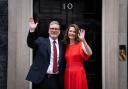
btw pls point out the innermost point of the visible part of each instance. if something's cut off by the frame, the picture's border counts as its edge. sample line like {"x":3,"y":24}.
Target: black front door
{"x":85,"y":13}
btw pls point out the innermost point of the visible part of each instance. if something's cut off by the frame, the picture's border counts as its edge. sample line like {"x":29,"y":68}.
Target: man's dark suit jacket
{"x":41,"y":60}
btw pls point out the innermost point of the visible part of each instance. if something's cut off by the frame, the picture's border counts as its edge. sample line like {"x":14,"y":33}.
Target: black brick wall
{"x":3,"y":43}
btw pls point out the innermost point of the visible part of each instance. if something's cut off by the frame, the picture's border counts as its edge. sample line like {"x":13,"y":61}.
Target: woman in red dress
{"x":77,"y":51}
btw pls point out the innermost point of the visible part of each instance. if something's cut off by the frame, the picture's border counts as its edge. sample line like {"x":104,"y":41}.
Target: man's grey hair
{"x":54,"y":22}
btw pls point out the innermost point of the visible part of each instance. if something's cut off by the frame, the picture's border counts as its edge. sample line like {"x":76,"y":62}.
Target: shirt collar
{"x":51,"y":40}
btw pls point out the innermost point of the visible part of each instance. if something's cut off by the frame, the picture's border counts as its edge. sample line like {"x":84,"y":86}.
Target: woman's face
{"x":72,"y":33}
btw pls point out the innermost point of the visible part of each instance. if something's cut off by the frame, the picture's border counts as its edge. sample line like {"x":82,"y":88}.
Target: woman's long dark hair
{"x":66,"y":38}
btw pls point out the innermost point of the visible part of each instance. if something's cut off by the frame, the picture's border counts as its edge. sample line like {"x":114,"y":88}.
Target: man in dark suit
{"x":46,"y":69}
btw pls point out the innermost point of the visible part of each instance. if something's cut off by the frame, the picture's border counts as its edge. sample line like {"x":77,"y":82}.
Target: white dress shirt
{"x":50,"y":68}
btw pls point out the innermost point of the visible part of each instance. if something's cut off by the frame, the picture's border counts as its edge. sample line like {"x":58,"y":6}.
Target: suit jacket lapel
{"x":60,"y":52}
{"x":49,"y":48}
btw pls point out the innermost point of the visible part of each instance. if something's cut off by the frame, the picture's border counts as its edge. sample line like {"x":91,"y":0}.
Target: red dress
{"x":75,"y":75}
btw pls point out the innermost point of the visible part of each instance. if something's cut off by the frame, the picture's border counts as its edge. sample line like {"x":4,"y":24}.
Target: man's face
{"x":54,"y":31}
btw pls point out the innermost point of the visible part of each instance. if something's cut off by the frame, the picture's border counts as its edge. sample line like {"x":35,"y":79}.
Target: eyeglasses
{"x":54,"y":28}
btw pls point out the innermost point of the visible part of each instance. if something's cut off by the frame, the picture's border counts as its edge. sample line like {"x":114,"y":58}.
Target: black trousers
{"x":49,"y":82}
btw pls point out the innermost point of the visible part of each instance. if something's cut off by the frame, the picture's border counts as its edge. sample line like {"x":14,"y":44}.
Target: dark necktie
{"x":55,"y":68}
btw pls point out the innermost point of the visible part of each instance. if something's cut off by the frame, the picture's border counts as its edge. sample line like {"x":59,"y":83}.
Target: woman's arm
{"x":85,"y":47}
